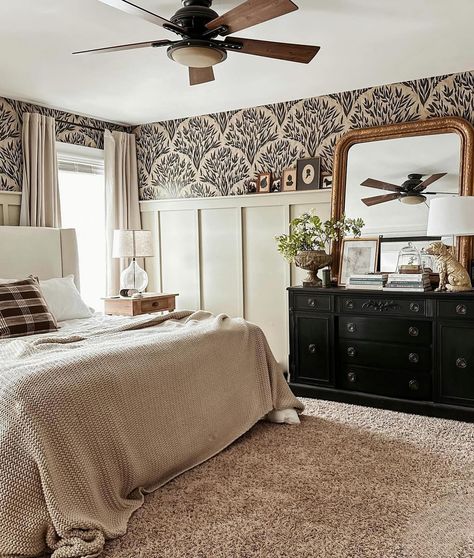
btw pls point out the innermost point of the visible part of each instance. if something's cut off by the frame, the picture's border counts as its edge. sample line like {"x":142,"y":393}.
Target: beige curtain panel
{"x":40,"y":192}
{"x":121,"y":183}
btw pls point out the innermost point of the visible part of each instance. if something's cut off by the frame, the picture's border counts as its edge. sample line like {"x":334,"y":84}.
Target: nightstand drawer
{"x":400,"y":384}
{"x":309,"y":301}
{"x":384,"y":356}
{"x":152,"y":305}
{"x":383,"y":305}
{"x":456,"y":309}
{"x":391,"y":330}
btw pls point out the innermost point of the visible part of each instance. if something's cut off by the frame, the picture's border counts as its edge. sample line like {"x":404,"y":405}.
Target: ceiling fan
{"x":411,"y":192}
{"x":199,"y":27}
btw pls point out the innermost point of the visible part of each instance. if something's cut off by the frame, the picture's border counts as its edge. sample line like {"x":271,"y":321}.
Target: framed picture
{"x":390,"y":248}
{"x":308,"y":174}
{"x":288,"y":180}
{"x":358,"y":255}
{"x":264,"y":182}
{"x":326,"y":180}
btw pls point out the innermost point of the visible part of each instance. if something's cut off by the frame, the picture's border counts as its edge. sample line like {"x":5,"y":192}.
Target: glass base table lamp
{"x":133,"y":244}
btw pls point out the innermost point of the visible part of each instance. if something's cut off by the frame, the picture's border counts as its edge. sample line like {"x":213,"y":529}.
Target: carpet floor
{"x":349,"y":482}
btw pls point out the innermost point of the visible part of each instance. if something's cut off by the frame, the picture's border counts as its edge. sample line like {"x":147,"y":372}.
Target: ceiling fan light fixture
{"x":196,"y":54}
{"x":413,"y":199}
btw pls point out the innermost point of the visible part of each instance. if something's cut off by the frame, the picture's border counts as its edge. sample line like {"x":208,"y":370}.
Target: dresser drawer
{"x":400,"y":384}
{"x":382,"y":305}
{"x":456,"y":309}
{"x":396,"y":330}
{"x":309,"y":301}
{"x":384,"y":355}
{"x":311,"y":349}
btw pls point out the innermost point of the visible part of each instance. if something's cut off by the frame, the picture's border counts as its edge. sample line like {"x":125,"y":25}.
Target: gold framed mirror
{"x":385,"y":156}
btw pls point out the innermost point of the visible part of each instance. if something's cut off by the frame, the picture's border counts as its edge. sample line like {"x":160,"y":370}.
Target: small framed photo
{"x":264,"y":182}
{"x":288,"y":180}
{"x":308,"y":174}
{"x":326,"y":180}
{"x":358,"y":255}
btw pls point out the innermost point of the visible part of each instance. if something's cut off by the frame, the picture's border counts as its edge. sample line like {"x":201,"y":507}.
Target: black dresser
{"x":411,"y":352}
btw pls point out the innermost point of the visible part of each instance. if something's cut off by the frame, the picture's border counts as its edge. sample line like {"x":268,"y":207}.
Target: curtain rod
{"x":80,"y":125}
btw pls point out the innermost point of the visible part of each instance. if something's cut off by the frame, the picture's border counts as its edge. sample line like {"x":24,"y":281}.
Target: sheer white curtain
{"x":121,"y":194}
{"x":40,"y":190}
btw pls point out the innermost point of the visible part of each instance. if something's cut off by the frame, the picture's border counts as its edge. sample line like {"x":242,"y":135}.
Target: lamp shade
{"x":132,"y":244}
{"x":453,"y":216}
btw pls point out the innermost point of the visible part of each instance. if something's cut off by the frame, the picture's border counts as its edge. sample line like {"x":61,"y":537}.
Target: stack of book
{"x":415,"y":282}
{"x":369,"y":281}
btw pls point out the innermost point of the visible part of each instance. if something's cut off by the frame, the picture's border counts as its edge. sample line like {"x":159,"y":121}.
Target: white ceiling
{"x":363,"y":43}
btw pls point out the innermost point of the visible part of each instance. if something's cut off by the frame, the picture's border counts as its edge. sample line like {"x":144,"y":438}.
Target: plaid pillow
{"x":23,"y":310}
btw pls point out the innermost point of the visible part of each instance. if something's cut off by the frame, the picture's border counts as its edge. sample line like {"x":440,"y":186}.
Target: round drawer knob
{"x":414,"y":358}
{"x":312,"y":349}
{"x":351,"y":351}
{"x":352,"y":377}
{"x":351,"y":328}
{"x":461,"y":363}
{"x":413,"y":385}
{"x":349,"y":304}
{"x":414,"y":307}
{"x":461,"y":309}
{"x":413,"y":331}
{"x":312,"y":302}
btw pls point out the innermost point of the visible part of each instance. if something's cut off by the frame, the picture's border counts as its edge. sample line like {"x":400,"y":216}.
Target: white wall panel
{"x":221,"y":261}
{"x":266,"y":275}
{"x":10,"y":208}
{"x":180,"y":257}
{"x":151,"y":222}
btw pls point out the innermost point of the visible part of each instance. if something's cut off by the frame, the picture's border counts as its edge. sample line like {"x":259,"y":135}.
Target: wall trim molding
{"x":10,"y":203}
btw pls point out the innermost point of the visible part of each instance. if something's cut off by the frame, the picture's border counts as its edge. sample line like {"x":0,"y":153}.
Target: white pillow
{"x":63,"y":299}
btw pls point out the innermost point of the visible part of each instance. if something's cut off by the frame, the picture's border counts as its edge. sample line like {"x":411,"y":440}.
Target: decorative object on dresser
{"x":288,"y":180}
{"x":133,"y":244}
{"x":389,"y":151}
{"x":264,"y":182}
{"x":358,"y":256}
{"x":411,"y":352}
{"x":451,"y":217}
{"x":147,"y":304}
{"x":308,"y":174}
{"x":309,"y":239}
{"x":369,"y":281}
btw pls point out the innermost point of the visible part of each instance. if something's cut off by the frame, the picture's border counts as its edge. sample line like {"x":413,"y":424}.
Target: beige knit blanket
{"x":91,"y":422}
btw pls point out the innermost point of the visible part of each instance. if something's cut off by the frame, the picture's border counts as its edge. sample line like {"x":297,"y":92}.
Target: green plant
{"x":309,"y":232}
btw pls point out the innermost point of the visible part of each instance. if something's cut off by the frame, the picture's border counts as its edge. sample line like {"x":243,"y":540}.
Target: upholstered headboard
{"x":43,"y":252}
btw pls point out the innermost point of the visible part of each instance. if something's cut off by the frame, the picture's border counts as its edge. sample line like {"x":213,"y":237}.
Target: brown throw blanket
{"x":91,"y":422}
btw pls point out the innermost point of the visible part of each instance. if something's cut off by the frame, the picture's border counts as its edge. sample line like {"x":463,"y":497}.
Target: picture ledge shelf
{"x":249,"y":200}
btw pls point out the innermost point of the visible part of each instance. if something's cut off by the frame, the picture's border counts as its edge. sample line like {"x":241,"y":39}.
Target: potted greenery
{"x":309,"y":239}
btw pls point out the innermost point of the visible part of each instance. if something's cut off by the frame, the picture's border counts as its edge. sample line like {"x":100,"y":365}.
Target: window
{"x":82,"y":195}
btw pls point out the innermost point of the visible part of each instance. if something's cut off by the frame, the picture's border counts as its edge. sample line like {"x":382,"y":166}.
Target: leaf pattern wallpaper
{"x":218,"y":154}
{"x":11,"y":117}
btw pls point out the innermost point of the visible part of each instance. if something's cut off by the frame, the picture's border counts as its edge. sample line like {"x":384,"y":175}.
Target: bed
{"x":104,"y":410}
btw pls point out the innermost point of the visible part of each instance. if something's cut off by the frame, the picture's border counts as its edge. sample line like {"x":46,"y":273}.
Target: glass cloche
{"x":409,"y":260}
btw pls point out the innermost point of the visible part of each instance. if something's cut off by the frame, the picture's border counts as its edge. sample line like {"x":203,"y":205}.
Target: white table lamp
{"x":453,"y":216}
{"x":133,"y":244}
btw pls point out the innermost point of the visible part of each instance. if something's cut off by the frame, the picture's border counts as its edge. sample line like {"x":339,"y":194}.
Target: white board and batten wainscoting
{"x":220,"y":255}
{"x":10,"y":203}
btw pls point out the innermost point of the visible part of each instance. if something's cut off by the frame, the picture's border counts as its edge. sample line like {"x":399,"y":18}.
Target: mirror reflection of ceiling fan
{"x":199,"y":27}
{"x":411,"y":192}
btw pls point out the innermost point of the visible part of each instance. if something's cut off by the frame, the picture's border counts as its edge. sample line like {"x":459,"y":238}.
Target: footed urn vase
{"x":312,"y":261}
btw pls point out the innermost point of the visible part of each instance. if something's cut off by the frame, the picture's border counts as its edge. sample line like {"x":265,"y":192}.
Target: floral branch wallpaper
{"x":11,"y":116}
{"x":218,"y":154}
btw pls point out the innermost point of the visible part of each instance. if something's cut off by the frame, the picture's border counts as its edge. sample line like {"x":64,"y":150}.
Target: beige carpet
{"x":350,"y":482}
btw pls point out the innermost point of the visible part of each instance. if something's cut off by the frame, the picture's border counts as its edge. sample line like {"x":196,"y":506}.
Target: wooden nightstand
{"x":149,"y":303}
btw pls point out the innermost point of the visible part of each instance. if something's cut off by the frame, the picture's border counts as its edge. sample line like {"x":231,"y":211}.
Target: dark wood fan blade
{"x":201,"y":75}
{"x":130,"y":8}
{"x":130,"y":46}
{"x":269,"y":49}
{"x":372,"y":183}
{"x":429,"y":181}
{"x":381,"y":199}
{"x":250,"y":13}
{"x":438,"y":193}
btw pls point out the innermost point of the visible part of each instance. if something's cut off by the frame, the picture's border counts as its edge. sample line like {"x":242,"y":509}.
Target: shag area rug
{"x":349,"y":482}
